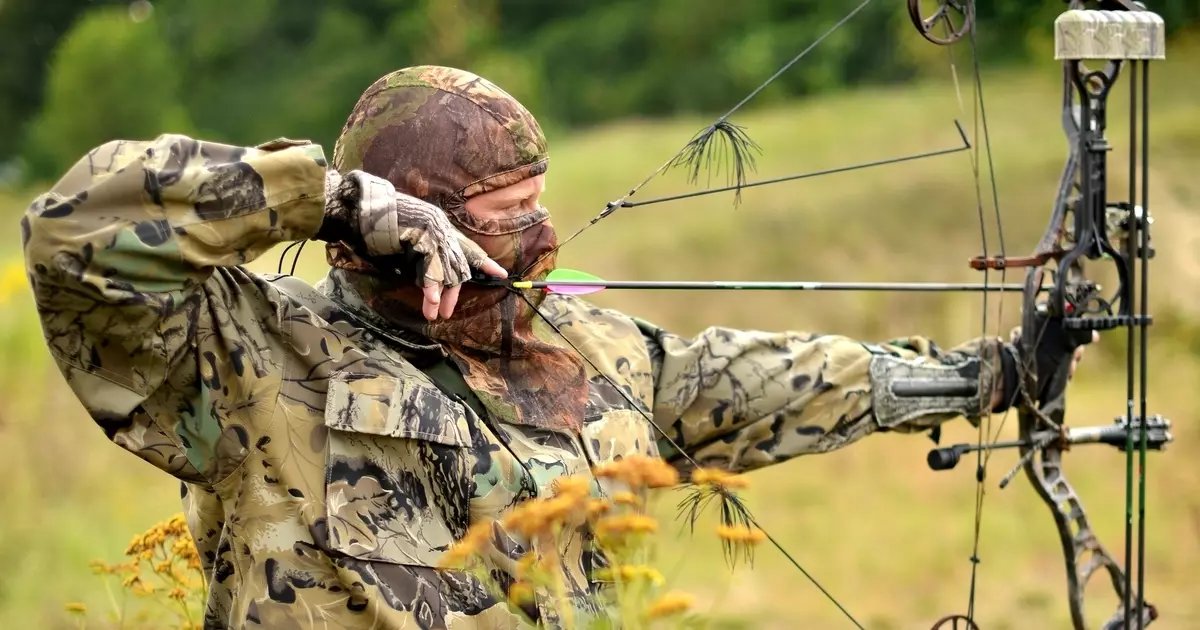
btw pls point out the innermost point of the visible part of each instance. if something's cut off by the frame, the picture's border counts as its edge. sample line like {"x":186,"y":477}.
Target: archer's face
{"x":515,"y":200}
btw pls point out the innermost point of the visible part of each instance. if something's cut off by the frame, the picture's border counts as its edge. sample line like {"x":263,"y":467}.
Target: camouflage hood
{"x":444,"y":135}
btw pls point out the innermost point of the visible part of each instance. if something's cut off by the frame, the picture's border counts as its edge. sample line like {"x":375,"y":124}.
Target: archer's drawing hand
{"x":368,"y":214}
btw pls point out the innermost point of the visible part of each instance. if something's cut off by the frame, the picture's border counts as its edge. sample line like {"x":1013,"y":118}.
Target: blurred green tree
{"x":245,"y":71}
{"x":111,"y":77}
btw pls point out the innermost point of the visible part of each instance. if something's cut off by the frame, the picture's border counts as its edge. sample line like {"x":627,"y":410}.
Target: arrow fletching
{"x":567,"y":282}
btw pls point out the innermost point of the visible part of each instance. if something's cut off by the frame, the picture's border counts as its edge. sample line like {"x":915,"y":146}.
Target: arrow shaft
{"x":773,"y":286}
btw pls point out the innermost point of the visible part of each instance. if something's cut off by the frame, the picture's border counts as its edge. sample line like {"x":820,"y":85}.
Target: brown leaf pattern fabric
{"x":445,"y":135}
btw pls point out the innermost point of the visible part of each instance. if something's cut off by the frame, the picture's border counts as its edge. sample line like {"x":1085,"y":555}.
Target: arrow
{"x":572,"y":282}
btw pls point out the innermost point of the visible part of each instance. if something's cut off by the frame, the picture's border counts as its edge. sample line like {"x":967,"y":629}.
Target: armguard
{"x":903,"y":390}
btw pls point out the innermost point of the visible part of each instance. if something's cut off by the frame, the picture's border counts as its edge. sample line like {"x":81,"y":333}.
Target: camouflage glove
{"x":368,"y":214}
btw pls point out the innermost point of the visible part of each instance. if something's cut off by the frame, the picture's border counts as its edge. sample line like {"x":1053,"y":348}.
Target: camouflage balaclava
{"x":445,"y":135}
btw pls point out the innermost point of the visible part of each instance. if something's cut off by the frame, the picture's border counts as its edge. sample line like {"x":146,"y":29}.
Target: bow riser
{"x":1083,"y":198}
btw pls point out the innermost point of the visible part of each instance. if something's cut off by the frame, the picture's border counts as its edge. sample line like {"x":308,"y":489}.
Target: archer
{"x":332,"y":441}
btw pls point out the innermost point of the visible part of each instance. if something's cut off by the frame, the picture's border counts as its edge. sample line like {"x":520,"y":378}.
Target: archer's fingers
{"x":449,"y":300}
{"x":479,"y":259}
{"x":493,"y":268}
{"x":433,"y":300}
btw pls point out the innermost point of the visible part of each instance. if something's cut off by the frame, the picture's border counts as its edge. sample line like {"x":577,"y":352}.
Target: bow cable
{"x":699,"y":151}
{"x":984,"y":431}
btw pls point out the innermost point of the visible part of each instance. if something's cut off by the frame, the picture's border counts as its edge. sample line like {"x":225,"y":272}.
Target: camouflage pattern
{"x":368,"y":211}
{"x":1082,"y":34}
{"x":324,"y":474}
{"x":446,"y":135}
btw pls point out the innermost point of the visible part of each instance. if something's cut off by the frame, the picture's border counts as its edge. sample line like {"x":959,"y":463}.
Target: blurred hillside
{"x":889,"y":538}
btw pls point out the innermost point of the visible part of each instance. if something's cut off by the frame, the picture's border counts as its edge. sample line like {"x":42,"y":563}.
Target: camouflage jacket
{"x":323,"y":473}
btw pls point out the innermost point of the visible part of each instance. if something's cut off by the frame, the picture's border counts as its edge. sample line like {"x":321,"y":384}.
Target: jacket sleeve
{"x":741,"y":400}
{"x":133,"y":256}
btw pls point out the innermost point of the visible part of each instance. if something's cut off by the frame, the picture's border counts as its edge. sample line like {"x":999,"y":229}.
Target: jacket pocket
{"x":397,"y":471}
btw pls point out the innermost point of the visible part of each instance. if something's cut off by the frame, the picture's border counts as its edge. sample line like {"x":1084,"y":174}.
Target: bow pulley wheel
{"x":948,"y":22}
{"x":955,"y":622}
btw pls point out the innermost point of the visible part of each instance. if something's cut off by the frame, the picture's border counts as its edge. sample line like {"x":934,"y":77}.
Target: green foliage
{"x":299,"y":65}
{"x":110,"y":78}
{"x":29,"y":30}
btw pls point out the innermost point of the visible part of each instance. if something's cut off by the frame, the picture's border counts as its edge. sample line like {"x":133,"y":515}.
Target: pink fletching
{"x":572,"y":289}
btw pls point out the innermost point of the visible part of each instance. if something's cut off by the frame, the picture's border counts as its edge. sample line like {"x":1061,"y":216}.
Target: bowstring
{"x":628,"y":398}
{"x":609,"y":209}
{"x":612,"y":206}
{"x":984,"y":431}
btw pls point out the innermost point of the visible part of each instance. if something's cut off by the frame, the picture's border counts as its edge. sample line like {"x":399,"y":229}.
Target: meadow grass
{"x":888,"y":537}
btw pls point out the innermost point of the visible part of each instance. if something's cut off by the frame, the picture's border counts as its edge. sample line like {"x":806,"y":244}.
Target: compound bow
{"x":1083,"y":225}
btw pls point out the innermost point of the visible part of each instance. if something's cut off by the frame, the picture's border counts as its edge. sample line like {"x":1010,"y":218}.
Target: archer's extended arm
{"x":741,"y":400}
{"x":133,"y":259}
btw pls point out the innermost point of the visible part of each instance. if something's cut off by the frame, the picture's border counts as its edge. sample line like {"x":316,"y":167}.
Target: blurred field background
{"x":620,"y":86}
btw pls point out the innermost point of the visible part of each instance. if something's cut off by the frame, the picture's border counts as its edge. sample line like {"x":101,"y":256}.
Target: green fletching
{"x":571,"y":275}
{"x":567,"y":282}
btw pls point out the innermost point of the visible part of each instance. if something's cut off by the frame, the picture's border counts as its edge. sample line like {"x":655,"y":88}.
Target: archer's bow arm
{"x":741,"y":400}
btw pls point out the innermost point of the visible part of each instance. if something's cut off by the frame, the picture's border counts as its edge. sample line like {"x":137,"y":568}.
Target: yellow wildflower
{"x":543,"y":516}
{"x":177,"y":594}
{"x":526,"y":564}
{"x":639,"y":471}
{"x":597,"y":508}
{"x":526,"y":519}
{"x":520,"y":593}
{"x":672,"y":603}
{"x":562,"y":509}
{"x":627,"y":524}
{"x":176,"y":526}
{"x":626,"y":498}
{"x":718,"y":479}
{"x":631,"y":573}
{"x":477,"y":537}
{"x":741,"y":534}
{"x":184,"y":548}
{"x":573,"y":486}
{"x":660,"y":474}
